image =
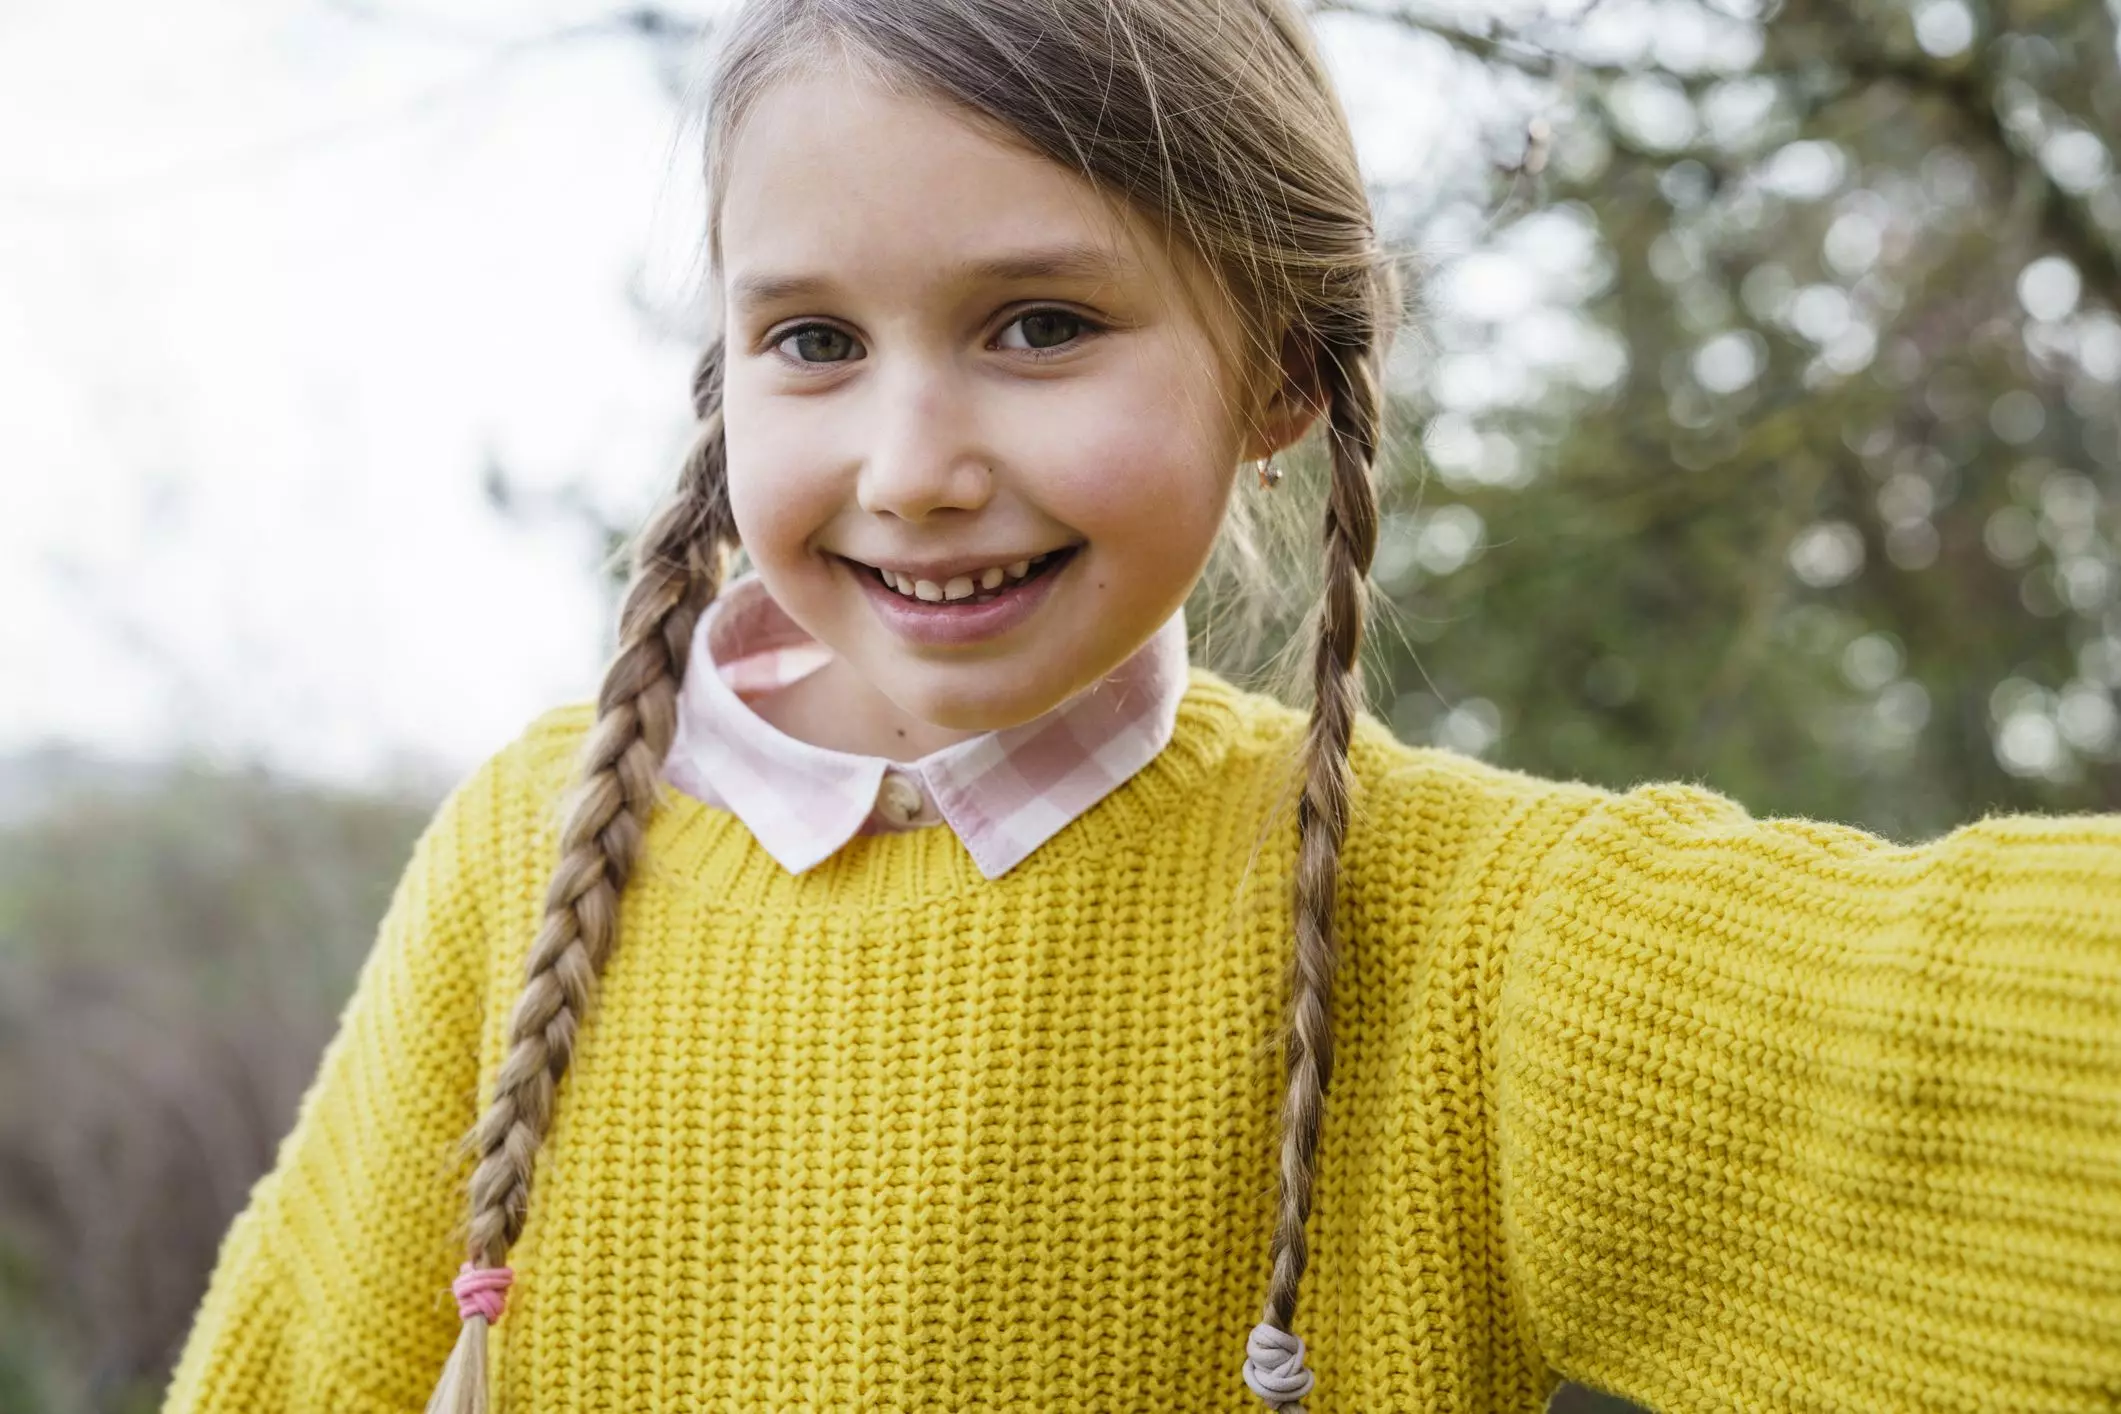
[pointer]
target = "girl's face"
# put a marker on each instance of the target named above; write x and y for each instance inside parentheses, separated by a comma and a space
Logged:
(947, 357)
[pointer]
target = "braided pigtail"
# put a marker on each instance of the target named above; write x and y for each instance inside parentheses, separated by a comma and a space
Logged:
(1350, 377)
(677, 570)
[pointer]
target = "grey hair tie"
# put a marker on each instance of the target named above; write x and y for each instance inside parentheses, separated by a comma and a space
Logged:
(1274, 1365)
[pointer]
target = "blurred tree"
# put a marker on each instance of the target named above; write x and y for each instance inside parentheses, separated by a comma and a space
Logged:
(1807, 488)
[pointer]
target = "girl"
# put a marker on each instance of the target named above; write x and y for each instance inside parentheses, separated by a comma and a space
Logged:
(935, 999)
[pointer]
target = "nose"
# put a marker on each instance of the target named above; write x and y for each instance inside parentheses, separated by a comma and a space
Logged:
(924, 455)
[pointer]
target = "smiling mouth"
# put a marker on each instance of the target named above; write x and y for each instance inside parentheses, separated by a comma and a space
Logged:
(980, 587)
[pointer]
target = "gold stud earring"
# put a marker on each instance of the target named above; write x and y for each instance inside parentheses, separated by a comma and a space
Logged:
(1269, 473)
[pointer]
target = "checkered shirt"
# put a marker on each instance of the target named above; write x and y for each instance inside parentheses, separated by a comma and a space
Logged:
(1004, 792)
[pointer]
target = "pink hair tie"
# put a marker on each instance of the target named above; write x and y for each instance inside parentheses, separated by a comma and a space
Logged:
(482, 1291)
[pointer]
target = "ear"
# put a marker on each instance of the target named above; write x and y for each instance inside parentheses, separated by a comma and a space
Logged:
(1293, 403)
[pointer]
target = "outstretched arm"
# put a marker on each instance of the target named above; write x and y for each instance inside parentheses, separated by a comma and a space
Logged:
(1795, 1118)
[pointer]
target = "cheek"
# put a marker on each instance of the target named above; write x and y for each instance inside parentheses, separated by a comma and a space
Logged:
(780, 491)
(1147, 464)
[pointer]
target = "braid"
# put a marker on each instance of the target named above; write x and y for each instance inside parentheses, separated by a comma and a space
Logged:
(677, 570)
(1351, 380)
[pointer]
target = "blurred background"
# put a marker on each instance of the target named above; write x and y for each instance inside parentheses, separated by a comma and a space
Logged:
(1762, 428)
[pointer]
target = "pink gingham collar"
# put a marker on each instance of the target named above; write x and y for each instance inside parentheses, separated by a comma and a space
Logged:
(1004, 792)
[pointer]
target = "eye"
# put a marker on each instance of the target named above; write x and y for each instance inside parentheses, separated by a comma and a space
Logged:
(829, 344)
(1047, 330)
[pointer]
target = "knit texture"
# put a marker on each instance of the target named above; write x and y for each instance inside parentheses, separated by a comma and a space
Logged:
(1711, 1111)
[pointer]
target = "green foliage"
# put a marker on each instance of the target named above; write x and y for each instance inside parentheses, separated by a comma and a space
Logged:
(1824, 513)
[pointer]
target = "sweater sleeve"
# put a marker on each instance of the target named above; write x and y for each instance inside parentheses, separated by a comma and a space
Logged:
(330, 1289)
(1794, 1118)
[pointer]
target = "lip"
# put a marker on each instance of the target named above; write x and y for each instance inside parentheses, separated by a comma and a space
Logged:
(947, 624)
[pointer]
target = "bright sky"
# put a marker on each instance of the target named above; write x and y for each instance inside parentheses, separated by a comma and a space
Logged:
(273, 283)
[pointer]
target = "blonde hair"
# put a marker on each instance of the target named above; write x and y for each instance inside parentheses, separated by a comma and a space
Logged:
(1215, 118)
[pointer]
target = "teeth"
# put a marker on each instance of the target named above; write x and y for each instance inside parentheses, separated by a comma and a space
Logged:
(963, 586)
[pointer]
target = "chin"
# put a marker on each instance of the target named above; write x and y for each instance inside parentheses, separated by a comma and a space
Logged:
(979, 699)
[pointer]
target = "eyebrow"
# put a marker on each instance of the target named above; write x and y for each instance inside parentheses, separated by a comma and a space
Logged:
(1066, 262)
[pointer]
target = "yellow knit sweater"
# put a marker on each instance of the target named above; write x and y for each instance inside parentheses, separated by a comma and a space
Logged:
(1715, 1112)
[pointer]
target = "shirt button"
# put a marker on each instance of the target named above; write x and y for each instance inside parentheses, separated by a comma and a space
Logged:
(899, 799)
